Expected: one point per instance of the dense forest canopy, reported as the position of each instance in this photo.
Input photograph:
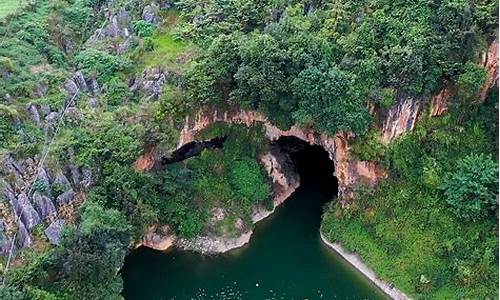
(126, 73)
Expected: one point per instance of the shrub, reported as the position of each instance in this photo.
(249, 181)
(471, 80)
(144, 28)
(117, 92)
(472, 189)
(99, 63)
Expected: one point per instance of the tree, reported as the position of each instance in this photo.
(326, 101)
(472, 189)
(91, 255)
(471, 81)
(11, 293)
(249, 180)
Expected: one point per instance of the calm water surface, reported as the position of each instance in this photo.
(285, 259)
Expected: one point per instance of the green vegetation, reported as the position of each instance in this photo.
(318, 64)
(431, 227)
(8, 7)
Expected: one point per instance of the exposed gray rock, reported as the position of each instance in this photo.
(61, 182)
(66, 197)
(151, 82)
(118, 26)
(8, 193)
(28, 214)
(86, 178)
(41, 90)
(23, 237)
(92, 85)
(71, 87)
(75, 174)
(44, 205)
(54, 231)
(34, 115)
(50, 122)
(150, 13)
(93, 102)
(80, 81)
(45, 109)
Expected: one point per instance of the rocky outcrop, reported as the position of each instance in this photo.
(54, 231)
(490, 62)
(439, 102)
(44, 205)
(211, 245)
(150, 13)
(400, 118)
(26, 202)
(151, 82)
(159, 238)
(285, 181)
(118, 28)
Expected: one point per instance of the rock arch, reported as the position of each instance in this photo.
(349, 171)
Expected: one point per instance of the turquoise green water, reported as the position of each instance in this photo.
(285, 259)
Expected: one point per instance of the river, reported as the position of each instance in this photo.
(285, 259)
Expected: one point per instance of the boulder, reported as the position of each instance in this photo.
(28, 214)
(44, 205)
(71, 87)
(80, 81)
(151, 82)
(41, 90)
(66, 197)
(61, 183)
(54, 231)
(34, 115)
(150, 13)
(23, 237)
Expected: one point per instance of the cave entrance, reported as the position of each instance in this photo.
(312, 163)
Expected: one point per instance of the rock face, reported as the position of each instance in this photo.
(26, 202)
(118, 28)
(400, 118)
(150, 13)
(159, 238)
(54, 231)
(490, 62)
(281, 170)
(439, 102)
(151, 82)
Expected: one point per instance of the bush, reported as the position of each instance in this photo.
(472, 189)
(144, 28)
(471, 80)
(117, 92)
(101, 64)
(249, 180)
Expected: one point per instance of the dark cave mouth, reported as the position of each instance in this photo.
(311, 162)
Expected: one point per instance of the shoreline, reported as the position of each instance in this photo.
(360, 266)
(215, 245)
